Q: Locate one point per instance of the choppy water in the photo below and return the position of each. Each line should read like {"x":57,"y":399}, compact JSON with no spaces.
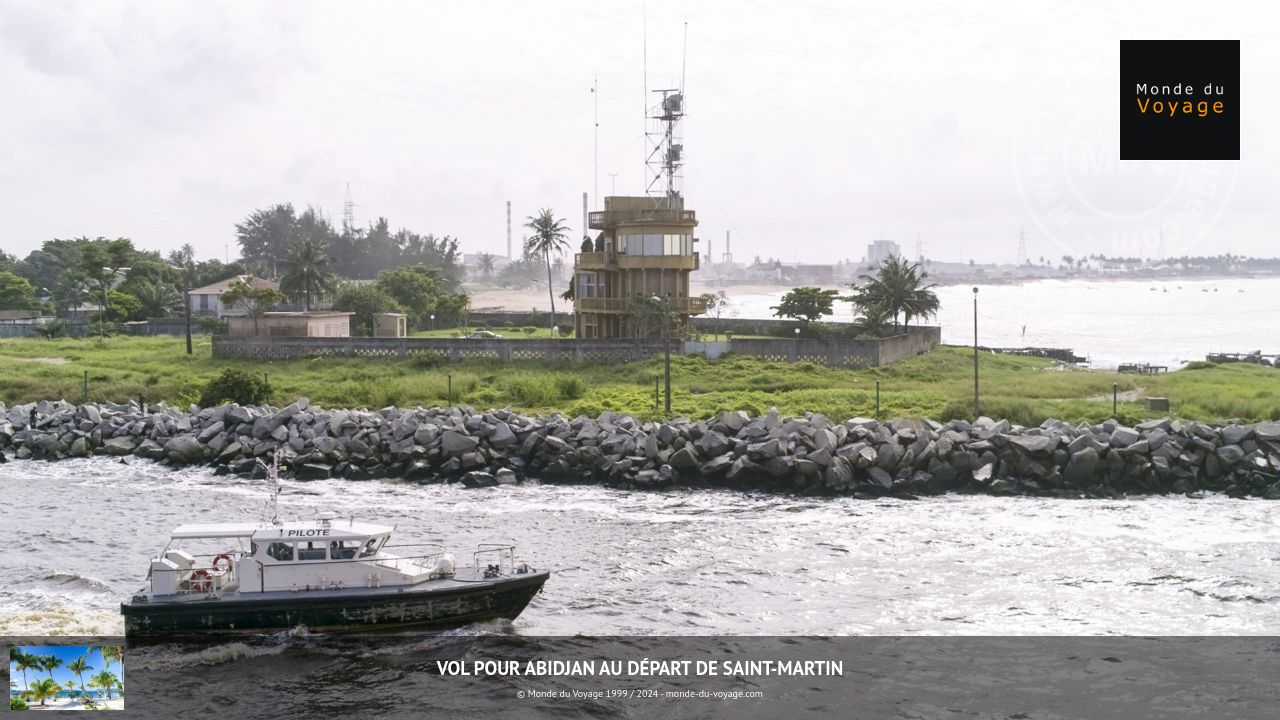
{"x":1163,"y":322}
{"x":79,"y":533}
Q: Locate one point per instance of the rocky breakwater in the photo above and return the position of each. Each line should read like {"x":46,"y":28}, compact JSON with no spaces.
{"x":809,"y":454}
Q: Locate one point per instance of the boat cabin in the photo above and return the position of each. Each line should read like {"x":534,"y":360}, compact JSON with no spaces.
{"x":325,"y":553}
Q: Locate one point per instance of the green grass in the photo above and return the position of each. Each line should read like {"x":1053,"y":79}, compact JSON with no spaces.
{"x":937,"y":385}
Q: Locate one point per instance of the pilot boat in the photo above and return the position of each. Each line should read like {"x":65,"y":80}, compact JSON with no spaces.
{"x":327,"y":574}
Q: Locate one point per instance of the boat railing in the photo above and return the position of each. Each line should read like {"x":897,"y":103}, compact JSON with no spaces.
{"x":498,"y":552}
{"x":200,"y":580}
{"x":402,"y":563}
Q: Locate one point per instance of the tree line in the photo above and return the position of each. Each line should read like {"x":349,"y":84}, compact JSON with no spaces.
{"x":898,"y":290}
{"x":364,"y":270}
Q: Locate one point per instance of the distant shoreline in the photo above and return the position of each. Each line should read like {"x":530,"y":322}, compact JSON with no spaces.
{"x":498,"y":300}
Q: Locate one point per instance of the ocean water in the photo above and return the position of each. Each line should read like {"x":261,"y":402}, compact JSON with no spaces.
{"x":1162,"y":322}
{"x":685,"y":562}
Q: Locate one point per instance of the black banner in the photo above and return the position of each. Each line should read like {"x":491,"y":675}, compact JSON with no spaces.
{"x":511,"y":676}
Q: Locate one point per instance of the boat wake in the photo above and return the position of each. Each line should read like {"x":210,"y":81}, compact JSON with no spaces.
{"x":74,"y":581}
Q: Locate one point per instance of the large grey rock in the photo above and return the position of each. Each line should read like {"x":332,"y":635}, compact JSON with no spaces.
{"x":1235,"y":434}
{"x":1267,"y":431}
{"x":454,"y":443}
{"x":1082,"y":467}
{"x":880,"y":478}
{"x":1124,"y":437}
{"x":184,"y":448}
{"x":684,"y":459}
{"x":120,"y":445}
{"x":502,"y":436}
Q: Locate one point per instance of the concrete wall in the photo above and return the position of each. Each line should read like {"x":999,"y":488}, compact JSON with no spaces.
{"x":280,"y":348}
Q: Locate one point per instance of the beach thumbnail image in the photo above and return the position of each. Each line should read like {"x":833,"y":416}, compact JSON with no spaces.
{"x":66,"y":677}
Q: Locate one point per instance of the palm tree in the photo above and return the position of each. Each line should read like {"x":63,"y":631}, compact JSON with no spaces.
{"x":182,"y":257}
{"x":110,"y":654}
{"x":24,"y":661}
{"x":486,"y":264}
{"x":158,"y":299}
{"x":896,"y":290}
{"x":306,"y":273}
{"x":105,"y":680}
{"x":549,"y":235}
{"x":49,"y":663}
{"x":80,"y":666}
{"x":43,"y":689}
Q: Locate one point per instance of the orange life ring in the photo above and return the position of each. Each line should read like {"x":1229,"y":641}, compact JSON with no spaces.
{"x":230,"y":562}
{"x":201,"y":581}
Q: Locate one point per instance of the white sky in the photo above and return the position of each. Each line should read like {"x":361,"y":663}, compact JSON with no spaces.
{"x":813,"y":127}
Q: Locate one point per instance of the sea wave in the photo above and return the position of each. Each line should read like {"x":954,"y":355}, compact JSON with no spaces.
{"x":73,"y":580}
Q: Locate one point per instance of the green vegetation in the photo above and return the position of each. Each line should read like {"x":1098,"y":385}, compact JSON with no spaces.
{"x":236,"y":386}
{"x":937,"y":385}
{"x":896,"y":289}
{"x":42,"y":690}
{"x":806,"y":304}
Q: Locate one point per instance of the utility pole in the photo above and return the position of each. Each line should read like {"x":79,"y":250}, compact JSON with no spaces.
{"x":187,"y":308}
{"x":509,"y":256}
{"x":595,"y":96}
{"x":976,"y":412}
{"x":664,"y":304}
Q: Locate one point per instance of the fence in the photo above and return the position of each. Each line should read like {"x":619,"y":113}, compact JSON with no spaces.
{"x":836,"y":353}
{"x":280,"y":348}
{"x":80,"y":329}
{"x":843,"y":353}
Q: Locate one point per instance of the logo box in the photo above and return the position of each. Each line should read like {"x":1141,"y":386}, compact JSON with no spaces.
{"x":1179,"y":99}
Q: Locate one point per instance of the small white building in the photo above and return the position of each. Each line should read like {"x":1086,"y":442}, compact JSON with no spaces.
{"x":292,"y":324}
{"x":207,"y":300}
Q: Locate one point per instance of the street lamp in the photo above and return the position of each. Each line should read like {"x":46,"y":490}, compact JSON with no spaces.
{"x":976,"y":413}
{"x":433,"y":323}
{"x":666,"y":353}
{"x":796,"y":350}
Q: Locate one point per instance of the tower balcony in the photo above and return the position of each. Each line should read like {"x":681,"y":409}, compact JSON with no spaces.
{"x":680,"y":305}
{"x":615,"y":261}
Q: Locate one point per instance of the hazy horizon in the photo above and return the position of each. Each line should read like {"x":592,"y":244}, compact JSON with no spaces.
{"x":813,"y":128}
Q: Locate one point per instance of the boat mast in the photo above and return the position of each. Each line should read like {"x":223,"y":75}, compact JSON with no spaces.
{"x":274,"y":474}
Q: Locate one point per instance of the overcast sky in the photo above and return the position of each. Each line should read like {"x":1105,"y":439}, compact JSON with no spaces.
{"x":813,"y":127}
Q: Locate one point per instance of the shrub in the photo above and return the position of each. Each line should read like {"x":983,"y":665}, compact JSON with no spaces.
{"x":570,"y":387}
{"x":528,"y":330}
{"x":1200,"y":365}
{"x":236,"y":386}
{"x":101,"y":328}
{"x":50,"y":330}
{"x":16,"y":703}
{"x":211,"y":325}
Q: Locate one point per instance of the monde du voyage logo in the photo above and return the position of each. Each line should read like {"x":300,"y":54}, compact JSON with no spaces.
{"x":1179,"y":99}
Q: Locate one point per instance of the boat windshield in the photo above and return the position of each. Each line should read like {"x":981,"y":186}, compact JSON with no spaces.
{"x":372,"y":546}
{"x":343,"y":549}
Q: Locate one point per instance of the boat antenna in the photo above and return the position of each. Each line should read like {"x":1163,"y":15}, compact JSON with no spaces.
{"x":274,"y":475}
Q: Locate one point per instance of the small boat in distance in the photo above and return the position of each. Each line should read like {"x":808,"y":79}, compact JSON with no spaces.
{"x":326,"y":574}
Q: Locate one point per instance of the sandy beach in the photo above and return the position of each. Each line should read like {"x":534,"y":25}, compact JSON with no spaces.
{"x":75,"y":704}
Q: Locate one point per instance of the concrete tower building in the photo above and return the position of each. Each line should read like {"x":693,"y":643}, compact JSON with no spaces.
{"x":644,"y":248}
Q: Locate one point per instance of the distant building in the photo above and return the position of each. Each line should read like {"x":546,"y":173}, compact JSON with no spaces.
{"x":472,"y":262}
{"x":769,"y":270}
{"x":646,"y":251}
{"x":880,"y":250}
{"x":390,"y":325}
{"x":292,"y":324}
{"x":809,"y":274}
{"x":207,"y":300}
